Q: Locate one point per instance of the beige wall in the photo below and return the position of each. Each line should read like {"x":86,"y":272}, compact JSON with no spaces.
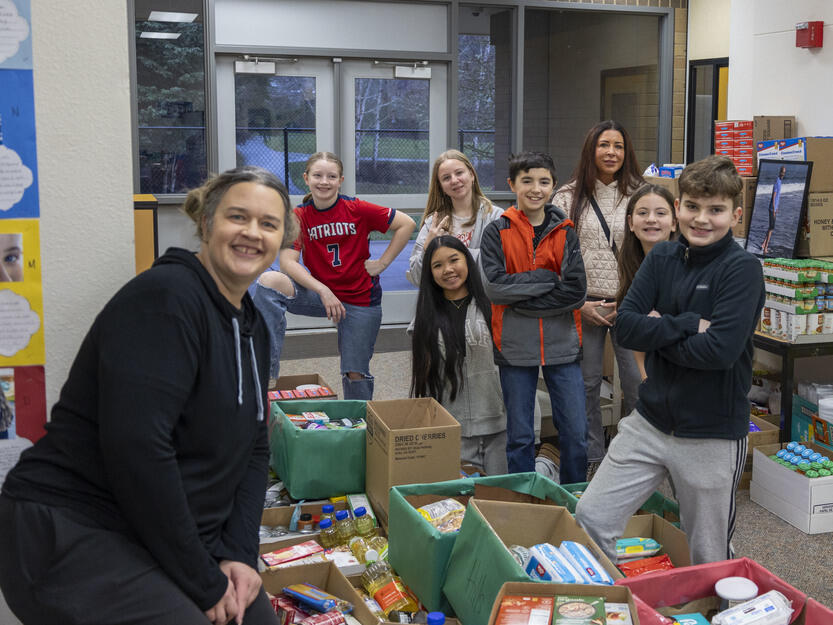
{"x":85,"y":171}
{"x":708,"y":29}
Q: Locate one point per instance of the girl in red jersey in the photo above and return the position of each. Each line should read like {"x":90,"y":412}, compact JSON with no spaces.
{"x":338,"y":280}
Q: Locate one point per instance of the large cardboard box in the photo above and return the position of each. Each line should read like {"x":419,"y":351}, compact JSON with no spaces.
{"x":316,"y":464}
{"x":282,"y":516}
{"x":769,"y":434}
{"x":481,"y":562}
{"x":615,"y":594}
{"x":419,"y":552}
{"x":816,"y":149}
{"x":818,"y":229}
{"x":409,"y":441}
{"x":672,"y":184}
{"x":291,"y":382}
{"x":673,"y":540}
{"x":767,"y":127}
{"x":674,"y":591}
{"x":325,"y":575}
{"x":802,"y":502}
{"x":747,"y":202}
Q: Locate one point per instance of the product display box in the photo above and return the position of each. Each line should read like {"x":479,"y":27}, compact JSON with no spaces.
{"x":480,"y":562}
{"x":282,"y":517}
{"x":747,"y":202}
{"x":769,"y":435}
{"x":690,"y":589}
{"x":673,"y":540}
{"x":803,"y":416}
{"x":802,"y":502}
{"x":317,"y":464}
{"x":818,"y":230}
{"x":326,"y":576}
{"x":816,"y":149}
{"x":672,"y":184}
{"x":409,"y":441}
{"x":614,"y":594}
{"x":767,"y":127}
{"x":419,"y":552}
{"x":285,"y":388}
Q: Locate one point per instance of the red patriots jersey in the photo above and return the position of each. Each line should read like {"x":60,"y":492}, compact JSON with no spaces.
{"x":334,"y":245}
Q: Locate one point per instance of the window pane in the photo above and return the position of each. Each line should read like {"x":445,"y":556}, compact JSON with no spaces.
{"x":484,"y":81}
{"x":276,"y":124}
{"x":702,"y":114}
{"x":581,"y":68}
{"x":170,"y":77}
{"x":391,"y":135}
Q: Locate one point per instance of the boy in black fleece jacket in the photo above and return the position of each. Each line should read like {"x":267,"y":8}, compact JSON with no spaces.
{"x":692,"y":308}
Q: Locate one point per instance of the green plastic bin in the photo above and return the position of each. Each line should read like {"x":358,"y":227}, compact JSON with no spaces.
{"x":657,"y":504}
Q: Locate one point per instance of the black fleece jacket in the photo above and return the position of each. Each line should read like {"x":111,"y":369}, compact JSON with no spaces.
{"x":160,"y":431}
{"x":697,"y":382}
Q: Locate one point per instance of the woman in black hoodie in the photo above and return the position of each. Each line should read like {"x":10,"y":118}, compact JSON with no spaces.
{"x":142,"y":502}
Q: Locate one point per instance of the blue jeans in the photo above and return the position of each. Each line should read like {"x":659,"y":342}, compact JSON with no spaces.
{"x":357,"y":333}
{"x":566,"y":389}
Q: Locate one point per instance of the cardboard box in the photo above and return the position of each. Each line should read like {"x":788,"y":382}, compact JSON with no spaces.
{"x":732,"y":124}
{"x":291,"y":382}
{"x":613,"y":594}
{"x":819,"y":150}
{"x":767,"y":127}
{"x":802,"y":502}
{"x":419,"y":552}
{"x":680,"y":588}
{"x":811,"y":427}
{"x":282,"y":516}
{"x":818,"y":230}
{"x":326,"y":576}
{"x":769,"y":435}
{"x":672,"y":184}
{"x":767,"y":149}
{"x":673,"y":540}
{"x":481,"y":562}
{"x":747,"y":202}
{"x":409,"y":441}
{"x":316,"y":464}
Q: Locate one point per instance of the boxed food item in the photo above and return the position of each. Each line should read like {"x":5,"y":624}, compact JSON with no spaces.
{"x":766,"y":127}
{"x":818,"y":230}
{"x":819,"y":150}
{"x":481,"y":560}
{"x":408,"y":441}
{"x":516,"y":604}
{"x":767,"y":149}
{"x":316,"y":464}
{"x":803,"y":502}
{"x":420,"y":552}
{"x":303,"y":386}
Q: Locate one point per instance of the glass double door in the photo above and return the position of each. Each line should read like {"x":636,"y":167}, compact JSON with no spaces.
{"x":386,"y":121}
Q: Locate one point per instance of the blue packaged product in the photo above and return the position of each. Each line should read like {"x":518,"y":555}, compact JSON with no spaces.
{"x":317,"y":599}
{"x":788,"y":457}
{"x":796,"y":459}
{"x":799,"y":448}
{"x":815,"y":457}
{"x":781,"y":453}
{"x":584,"y":562}
{"x":806,"y":453}
{"x":791,"y":445}
{"x":548,"y":564}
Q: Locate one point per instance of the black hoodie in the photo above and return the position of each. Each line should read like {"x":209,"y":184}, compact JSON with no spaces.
{"x":697,"y":382}
{"x":160,"y":430}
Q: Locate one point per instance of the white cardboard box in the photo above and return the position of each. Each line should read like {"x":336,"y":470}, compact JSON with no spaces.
{"x":802,"y":502}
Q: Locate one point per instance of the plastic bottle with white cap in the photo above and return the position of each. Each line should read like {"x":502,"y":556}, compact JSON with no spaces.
{"x":735,"y":590}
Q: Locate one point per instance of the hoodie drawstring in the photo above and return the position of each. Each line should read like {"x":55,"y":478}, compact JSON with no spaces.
{"x":258,"y":392}
{"x":236,"y":327}
{"x":237,"y":355}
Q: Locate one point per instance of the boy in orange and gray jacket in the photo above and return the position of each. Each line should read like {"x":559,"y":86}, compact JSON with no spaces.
{"x":534,"y":274}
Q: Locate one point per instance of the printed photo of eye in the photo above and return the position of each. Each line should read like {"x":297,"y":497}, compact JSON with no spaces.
{"x":11,"y":257}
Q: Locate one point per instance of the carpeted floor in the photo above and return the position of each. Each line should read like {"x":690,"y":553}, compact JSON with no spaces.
{"x":798,"y":558}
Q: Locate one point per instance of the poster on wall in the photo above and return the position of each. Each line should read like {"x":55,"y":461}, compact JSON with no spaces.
{"x":15,"y":42}
{"x":21,"y":294}
{"x":22,"y":403}
{"x":18,"y":168}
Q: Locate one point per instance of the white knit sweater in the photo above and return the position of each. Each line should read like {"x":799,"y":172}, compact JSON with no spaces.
{"x":599,"y":261}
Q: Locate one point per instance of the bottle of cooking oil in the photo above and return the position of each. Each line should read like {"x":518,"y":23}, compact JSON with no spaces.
{"x":364,"y":524}
{"x":327,"y":512}
{"x":379,"y":582}
{"x":378,"y":547}
{"x":359,"y":548}
{"x":344,"y":525}
{"x":329,"y":534}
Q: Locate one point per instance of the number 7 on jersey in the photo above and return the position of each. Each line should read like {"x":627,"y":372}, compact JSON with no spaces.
{"x":332,"y":248}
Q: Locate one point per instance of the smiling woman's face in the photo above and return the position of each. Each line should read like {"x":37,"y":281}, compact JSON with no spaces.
{"x":11,"y":257}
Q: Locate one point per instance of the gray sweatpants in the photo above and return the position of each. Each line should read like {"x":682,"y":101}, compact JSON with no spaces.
{"x":704,"y":471}
{"x":593,"y":347}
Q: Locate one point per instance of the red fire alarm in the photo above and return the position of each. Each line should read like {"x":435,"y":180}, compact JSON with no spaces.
{"x":809,"y":34}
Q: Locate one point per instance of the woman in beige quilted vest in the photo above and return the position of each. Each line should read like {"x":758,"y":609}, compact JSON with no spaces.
{"x":596,"y":199}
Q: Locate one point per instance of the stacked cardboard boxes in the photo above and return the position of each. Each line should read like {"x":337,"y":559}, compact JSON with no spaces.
{"x":734,"y":138}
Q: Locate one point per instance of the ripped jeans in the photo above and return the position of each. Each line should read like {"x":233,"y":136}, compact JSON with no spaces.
{"x":357,"y":333}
